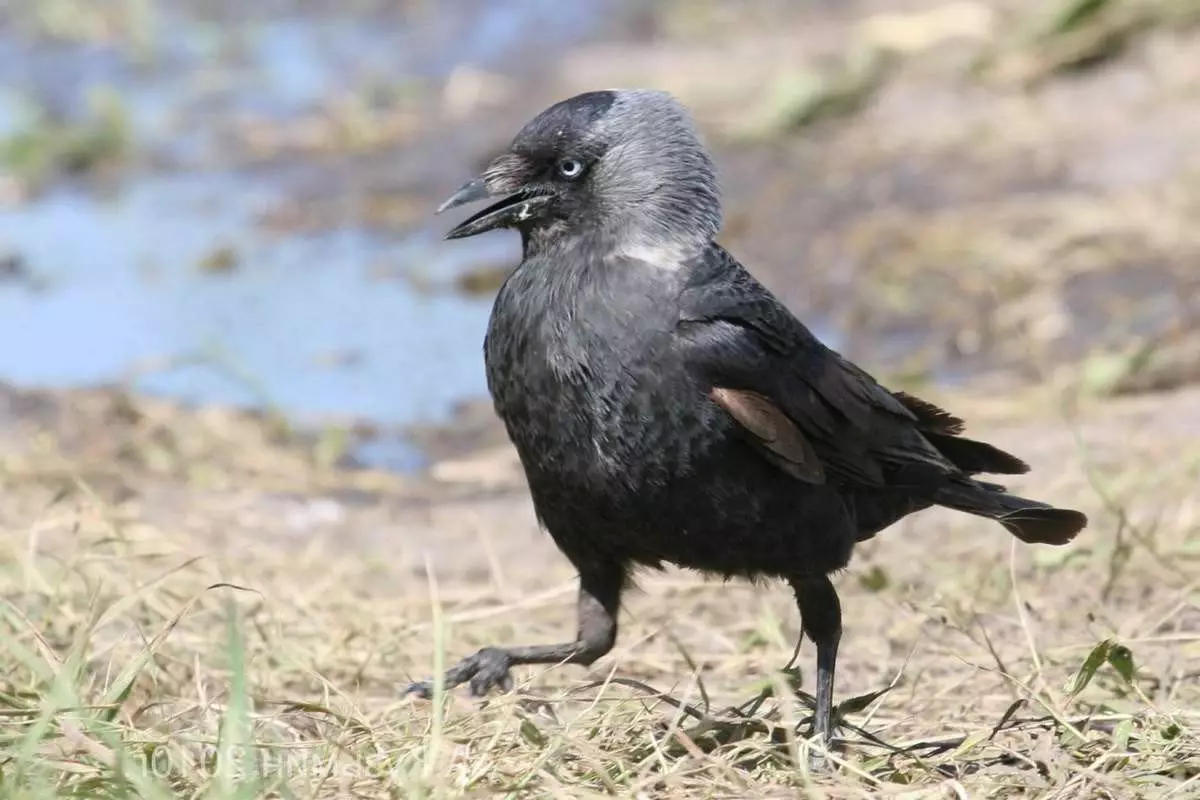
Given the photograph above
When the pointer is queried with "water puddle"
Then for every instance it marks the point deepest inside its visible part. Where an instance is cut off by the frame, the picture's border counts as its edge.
(117, 290)
(171, 284)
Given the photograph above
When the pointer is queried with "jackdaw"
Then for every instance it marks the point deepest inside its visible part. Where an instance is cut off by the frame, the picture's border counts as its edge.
(667, 408)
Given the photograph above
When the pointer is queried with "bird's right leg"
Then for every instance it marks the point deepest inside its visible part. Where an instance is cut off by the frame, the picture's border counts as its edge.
(599, 601)
(821, 620)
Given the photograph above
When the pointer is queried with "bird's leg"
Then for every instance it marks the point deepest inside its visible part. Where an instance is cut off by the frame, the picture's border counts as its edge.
(821, 619)
(599, 599)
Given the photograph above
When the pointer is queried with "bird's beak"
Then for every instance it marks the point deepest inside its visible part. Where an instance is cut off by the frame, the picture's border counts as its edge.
(469, 192)
(511, 210)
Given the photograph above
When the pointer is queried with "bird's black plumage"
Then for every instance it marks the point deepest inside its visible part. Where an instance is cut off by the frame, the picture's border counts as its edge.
(667, 408)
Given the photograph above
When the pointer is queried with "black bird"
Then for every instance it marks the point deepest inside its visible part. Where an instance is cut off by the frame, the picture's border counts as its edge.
(666, 407)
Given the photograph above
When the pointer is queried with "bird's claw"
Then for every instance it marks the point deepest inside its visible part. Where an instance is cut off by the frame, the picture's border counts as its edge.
(483, 671)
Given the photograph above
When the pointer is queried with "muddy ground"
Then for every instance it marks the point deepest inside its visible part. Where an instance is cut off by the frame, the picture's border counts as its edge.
(1015, 239)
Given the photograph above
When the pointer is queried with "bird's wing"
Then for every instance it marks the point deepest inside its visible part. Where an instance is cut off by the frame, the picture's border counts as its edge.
(806, 408)
(778, 437)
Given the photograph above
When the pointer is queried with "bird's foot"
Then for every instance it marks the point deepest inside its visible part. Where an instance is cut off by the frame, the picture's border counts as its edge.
(485, 670)
(819, 750)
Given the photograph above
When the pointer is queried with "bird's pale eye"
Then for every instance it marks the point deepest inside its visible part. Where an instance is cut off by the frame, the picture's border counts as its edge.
(570, 168)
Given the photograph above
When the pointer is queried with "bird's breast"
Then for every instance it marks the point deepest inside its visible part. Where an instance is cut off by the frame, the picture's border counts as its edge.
(579, 374)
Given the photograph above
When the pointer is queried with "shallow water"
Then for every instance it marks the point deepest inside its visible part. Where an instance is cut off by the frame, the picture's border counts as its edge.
(299, 324)
(309, 324)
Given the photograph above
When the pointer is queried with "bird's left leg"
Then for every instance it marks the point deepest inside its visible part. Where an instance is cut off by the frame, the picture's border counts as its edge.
(821, 620)
(599, 601)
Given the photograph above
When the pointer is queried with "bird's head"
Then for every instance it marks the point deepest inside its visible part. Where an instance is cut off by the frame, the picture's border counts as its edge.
(622, 163)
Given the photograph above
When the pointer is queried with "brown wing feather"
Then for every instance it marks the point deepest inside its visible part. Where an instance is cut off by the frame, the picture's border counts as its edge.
(770, 428)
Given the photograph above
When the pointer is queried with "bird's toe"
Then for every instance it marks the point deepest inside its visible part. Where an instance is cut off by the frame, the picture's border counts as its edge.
(422, 689)
(491, 670)
(482, 671)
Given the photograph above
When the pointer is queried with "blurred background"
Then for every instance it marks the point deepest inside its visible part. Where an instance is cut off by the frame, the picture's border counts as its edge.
(220, 203)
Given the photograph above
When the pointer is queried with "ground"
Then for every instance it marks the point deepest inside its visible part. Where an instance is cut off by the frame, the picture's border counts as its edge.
(163, 607)
(198, 601)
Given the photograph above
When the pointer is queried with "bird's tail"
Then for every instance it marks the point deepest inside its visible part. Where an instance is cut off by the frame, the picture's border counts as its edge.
(1028, 520)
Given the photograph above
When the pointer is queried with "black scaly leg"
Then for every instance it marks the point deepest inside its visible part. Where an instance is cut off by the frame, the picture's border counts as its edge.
(821, 620)
(599, 601)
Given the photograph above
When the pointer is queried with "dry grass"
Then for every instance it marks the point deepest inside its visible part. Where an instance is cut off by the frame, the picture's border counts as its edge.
(205, 657)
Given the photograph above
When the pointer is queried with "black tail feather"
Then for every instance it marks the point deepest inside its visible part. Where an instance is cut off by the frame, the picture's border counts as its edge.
(974, 457)
(1044, 525)
(1028, 520)
(944, 431)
